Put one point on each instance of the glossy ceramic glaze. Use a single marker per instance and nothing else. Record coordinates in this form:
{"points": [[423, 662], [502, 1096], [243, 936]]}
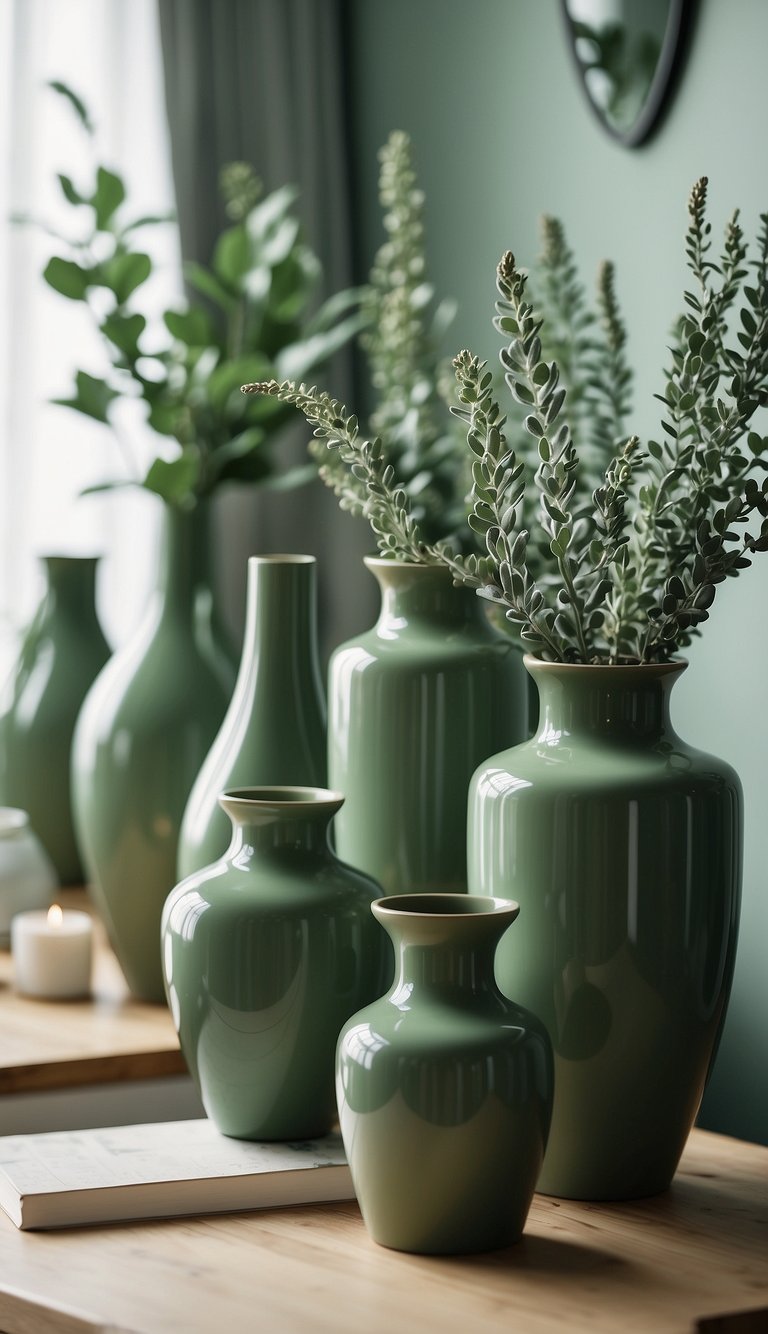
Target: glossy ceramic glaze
{"points": [[266, 953], [274, 729], [444, 1086], [27, 876], [413, 706], [622, 845], [61, 654], [143, 733]]}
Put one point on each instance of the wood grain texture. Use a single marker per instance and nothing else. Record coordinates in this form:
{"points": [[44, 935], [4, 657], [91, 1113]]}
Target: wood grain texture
{"points": [[657, 1266], [65, 1044]]}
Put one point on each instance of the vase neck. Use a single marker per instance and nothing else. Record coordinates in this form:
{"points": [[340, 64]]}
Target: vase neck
{"points": [[71, 585], [421, 595], [184, 564], [622, 702], [281, 619], [445, 944], [279, 822]]}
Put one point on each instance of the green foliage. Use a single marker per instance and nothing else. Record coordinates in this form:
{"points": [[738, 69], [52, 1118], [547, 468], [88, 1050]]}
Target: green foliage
{"points": [[365, 481], [405, 325], [633, 579], [254, 317]]}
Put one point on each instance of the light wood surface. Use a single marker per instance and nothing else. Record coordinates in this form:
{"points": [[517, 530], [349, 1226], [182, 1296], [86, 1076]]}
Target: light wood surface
{"points": [[66, 1044], [696, 1258]]}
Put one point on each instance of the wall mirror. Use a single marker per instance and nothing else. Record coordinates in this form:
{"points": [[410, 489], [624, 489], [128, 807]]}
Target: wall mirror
{"points": [[627, 53]]}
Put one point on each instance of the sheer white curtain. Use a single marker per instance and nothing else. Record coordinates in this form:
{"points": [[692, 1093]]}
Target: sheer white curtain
{"points": [[108, 51]]}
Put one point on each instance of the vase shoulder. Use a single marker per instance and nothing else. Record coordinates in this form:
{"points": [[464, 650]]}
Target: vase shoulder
{"points": [[595, 766]]}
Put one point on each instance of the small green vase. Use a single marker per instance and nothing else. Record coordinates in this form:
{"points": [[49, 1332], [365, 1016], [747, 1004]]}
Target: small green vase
{"points": [[266, 953], [143, 732], [622, 845], [414, 705], [444, 1086], [61, 654], [274, 729]]}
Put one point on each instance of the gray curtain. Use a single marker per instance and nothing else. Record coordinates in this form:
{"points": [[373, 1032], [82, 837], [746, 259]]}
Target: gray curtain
{"points": [[262, 81]]}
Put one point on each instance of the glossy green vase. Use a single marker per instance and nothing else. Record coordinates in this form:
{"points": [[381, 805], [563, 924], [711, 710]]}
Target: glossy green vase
{"points": [[414, 705], [266, 953], [622, 845], [61, 654], [144, 730], [444, 1086], [274, 729]]}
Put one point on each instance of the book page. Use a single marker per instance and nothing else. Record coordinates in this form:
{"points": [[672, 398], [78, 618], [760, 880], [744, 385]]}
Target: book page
{"points": [[168, 1151]]}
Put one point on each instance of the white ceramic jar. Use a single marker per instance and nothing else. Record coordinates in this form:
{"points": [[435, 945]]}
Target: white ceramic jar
{"points": [[27, 877]]}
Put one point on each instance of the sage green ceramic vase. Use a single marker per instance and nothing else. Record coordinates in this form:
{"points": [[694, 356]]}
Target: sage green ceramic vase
{"points": [[266, 953], [274, 729], [622, 845], [62, 652], [142, 735], [414, 705], [444, 1086]]}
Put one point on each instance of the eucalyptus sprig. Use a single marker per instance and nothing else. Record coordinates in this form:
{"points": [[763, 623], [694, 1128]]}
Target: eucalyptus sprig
{"points": [[633, 579], [365, 482], [405, 325], [588, 344]]}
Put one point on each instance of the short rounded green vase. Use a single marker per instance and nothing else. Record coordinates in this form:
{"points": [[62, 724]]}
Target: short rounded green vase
{"points": [[444, 1086], [61, 654], [274, 728], [622, 845], [143, 732], [266, 953], [414, 705]]}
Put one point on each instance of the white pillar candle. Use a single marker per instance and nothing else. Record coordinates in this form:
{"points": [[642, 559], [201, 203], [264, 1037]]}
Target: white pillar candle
{"points": [[52, 953]]}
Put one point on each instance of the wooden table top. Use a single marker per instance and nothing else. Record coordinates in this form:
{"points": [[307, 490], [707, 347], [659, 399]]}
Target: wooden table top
{"points": [[66, 1044], [693, 1259]]}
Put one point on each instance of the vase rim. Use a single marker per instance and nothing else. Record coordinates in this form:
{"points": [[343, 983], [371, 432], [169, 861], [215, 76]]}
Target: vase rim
{"points": [[387, 563], [12, 821], [81, 558], [444, 907], [538, 666], [281, 797], [281, 558]]}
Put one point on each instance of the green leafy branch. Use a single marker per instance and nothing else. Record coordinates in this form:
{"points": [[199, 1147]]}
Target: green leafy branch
{"points": [[251, 316], [402, 340], [365, 483], [635, 578]]}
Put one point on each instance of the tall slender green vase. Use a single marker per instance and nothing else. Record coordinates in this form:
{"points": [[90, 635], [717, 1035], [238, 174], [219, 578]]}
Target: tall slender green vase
{"points": [[622, 845], [61, 654], [444, 1086], [266, 954], [274, 729], [414, 705], [144, 730]]}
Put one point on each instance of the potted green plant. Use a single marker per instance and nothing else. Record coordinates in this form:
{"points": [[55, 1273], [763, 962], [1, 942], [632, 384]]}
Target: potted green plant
{"points": [[415, 702], [152, 714], [621, 843]]}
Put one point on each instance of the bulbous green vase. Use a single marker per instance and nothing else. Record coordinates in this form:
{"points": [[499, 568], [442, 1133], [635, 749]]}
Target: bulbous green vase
{"points": [[274, 729], [414, 705], [266, 953], [622, 845], [62, 652], [143, 732], [444, 1086]]}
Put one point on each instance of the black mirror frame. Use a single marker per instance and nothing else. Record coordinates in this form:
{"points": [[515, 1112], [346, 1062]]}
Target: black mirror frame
{"points": [[668, 70]]}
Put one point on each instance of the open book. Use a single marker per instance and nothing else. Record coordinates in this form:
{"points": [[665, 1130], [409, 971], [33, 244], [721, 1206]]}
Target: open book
{"points": [[160, 1171]]}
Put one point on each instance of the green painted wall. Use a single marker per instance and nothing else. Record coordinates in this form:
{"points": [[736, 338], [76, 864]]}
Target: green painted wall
{"points": [[502, 133]]}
